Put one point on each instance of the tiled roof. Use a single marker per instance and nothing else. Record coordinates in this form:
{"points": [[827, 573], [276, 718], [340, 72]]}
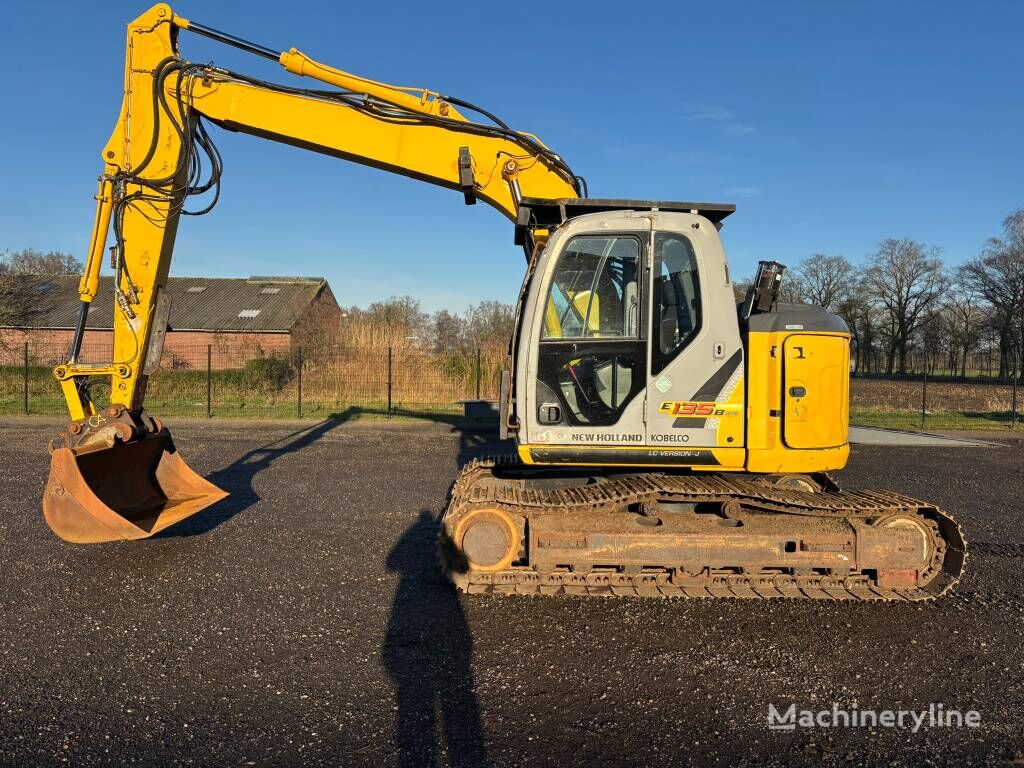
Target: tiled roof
{"points": [[259, 304]]}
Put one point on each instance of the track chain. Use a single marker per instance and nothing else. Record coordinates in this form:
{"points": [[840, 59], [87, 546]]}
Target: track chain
{"points": [[470, 492]]}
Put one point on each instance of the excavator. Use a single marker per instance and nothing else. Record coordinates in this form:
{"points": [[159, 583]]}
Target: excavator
{"points": [[669, 441]]}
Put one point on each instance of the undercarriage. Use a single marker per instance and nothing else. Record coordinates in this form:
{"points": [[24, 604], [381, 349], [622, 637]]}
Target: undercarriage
{"points": [[517, 529]]}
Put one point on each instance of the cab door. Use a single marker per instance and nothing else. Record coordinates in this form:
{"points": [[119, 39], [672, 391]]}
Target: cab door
{"points": [[592, 353], [696, 393]]}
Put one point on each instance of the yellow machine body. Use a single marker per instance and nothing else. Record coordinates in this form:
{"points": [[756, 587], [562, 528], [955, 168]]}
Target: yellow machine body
{"points": [[796, 418], [798, 402]]}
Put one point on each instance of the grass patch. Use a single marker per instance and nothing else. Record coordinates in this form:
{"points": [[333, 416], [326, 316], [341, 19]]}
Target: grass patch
{"points": [[256, 391], [358, 389], [183, 393], [944, 420]]}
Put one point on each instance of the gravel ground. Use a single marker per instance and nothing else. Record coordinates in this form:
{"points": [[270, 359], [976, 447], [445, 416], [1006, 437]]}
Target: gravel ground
{"points": [[303, 622]]}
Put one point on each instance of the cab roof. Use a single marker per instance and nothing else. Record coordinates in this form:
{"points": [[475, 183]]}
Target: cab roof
{"points": [[540, 212]]}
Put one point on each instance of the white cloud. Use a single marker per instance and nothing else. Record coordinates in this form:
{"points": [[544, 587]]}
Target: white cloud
{"points": [[718, 114], [739, 129]]}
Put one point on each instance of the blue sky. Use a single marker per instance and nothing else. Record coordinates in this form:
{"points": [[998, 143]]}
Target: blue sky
{"points": [[830, 125]]}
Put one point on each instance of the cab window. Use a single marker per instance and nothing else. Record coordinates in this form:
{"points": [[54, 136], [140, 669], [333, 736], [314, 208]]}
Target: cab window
{"points": [[676, 318], [594, 290]]}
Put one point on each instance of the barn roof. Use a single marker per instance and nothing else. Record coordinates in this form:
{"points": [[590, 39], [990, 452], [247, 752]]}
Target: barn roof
{"points": [[231, 304]]}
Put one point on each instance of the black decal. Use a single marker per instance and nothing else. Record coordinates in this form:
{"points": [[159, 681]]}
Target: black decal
{"points": [[675, 457], [712, 387], [710, 390], [690, 422]]}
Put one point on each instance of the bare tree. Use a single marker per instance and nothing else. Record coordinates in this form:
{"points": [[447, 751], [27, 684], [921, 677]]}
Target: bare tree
{"points": [[401, 317], [791, 290], [20, 298], [32, 262], [448, 331], [16, 303], [964, 318], [932, 335], [859, 312], [740, 286], [905, 277], [824, 280], [489, 324], [317, 330], [998, 277]]}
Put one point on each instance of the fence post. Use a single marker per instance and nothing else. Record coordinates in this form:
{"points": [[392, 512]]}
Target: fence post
{"points": [[924, 396], [299, 402], [25, 382], [1013, 403], [389, 382], [209, 381], [478, 373]]}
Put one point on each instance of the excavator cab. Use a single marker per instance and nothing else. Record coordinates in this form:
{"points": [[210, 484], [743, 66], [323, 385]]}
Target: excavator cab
{"points": [[629, 319], [118, 476]]}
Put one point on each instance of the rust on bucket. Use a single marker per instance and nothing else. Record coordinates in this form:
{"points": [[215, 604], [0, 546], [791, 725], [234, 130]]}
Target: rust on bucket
{"points": [[109, 490]]}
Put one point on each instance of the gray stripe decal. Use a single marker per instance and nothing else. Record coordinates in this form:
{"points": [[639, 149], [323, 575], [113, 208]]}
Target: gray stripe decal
{"points": [[709, 390], [690, 422]]}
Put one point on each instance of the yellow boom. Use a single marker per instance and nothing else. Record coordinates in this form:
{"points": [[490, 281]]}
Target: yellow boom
{"points": [[411, 131], [151, 165]]}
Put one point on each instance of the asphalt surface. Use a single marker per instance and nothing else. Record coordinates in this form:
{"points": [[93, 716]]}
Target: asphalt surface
{"points": [[876, 436], [303, 621]]}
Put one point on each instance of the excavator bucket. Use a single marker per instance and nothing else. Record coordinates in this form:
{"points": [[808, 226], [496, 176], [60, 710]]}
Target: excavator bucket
{"points": [[121, 491]]}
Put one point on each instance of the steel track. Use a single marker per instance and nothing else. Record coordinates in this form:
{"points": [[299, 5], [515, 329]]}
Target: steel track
{"points": [[483, 484]]}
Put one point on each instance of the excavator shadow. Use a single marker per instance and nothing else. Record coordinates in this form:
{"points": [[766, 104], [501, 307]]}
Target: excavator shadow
{"points": [[475, 440], [237, 477]]}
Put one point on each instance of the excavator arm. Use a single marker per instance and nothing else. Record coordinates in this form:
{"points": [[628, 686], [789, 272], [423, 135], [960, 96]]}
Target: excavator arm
{"points": [[159, 155], [151, 159]]}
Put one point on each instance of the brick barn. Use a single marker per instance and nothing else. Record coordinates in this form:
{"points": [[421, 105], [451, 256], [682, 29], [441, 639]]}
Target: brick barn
{"points": [[237, 319]]}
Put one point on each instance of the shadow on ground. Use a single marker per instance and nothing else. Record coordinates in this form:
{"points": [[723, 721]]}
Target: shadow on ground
{"points": [[427, 649], [427, 652], [475, 440], [237, 477]]}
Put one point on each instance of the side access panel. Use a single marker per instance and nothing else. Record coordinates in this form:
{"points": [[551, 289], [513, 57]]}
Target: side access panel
{"points": [[816, 391]]}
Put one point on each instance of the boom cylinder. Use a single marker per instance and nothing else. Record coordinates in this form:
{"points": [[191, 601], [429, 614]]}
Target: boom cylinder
{"points": [[224, 37]]}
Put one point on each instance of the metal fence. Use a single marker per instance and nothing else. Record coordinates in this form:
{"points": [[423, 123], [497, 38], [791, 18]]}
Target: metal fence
{"points": [[934, 402], [980, 363], [212, 381]]}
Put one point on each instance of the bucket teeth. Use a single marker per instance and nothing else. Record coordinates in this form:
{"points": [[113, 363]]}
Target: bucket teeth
{"points": [[131, 490]]}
